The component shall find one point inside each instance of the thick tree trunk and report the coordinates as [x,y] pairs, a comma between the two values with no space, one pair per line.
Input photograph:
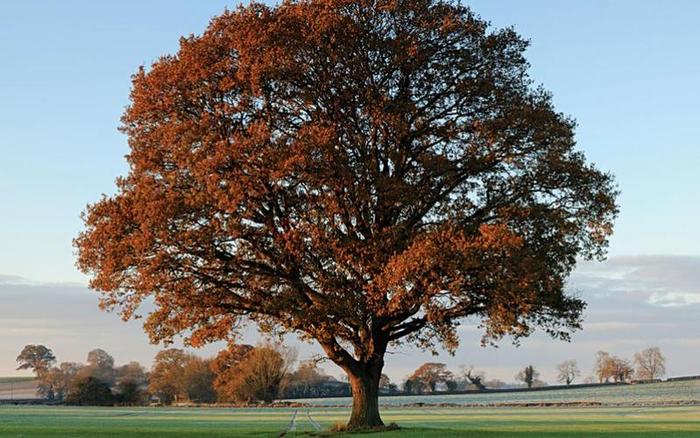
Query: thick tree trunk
[365,396]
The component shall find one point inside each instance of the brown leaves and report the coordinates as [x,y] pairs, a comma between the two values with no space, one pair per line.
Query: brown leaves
[357,172]
[245,373]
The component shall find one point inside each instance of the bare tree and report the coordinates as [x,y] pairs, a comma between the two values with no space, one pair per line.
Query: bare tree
[622,370]
[568,371]
[475,378]
[528,375]
[650,363]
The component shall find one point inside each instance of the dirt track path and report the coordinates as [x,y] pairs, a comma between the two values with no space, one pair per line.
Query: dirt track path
[292,424]
[313,422]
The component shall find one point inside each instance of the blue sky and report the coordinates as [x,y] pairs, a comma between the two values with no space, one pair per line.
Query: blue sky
[626,70]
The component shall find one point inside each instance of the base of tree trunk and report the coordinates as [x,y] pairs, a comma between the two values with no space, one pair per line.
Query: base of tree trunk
[365,402]
[346,428]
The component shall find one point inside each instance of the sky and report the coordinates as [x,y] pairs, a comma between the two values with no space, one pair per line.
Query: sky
[625,70]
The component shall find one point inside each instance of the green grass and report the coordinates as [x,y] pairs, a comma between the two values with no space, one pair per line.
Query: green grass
[43,421]
[652,394]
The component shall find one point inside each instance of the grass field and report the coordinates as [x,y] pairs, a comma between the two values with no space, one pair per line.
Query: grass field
[44,421]
[650,394]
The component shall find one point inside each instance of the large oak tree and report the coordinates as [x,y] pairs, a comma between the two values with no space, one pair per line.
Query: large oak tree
[363,173]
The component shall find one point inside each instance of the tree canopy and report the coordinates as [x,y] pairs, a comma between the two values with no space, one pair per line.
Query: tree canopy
[167,377]
[427,376]
[258,374]
[359,173]
[38,358]
[650,363]
[612,367]
[528,375]
[567,371]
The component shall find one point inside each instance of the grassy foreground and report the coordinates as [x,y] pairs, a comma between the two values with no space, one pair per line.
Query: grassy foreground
[42,421]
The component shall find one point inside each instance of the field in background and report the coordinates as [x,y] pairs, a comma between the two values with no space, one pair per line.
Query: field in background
[16,379]
[46,421]
[663,393]
[680,392]
[17,388]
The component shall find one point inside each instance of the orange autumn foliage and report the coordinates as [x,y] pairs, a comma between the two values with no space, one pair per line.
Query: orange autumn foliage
[361,173]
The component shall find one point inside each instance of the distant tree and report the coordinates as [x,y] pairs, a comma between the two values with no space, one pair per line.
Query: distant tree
[224,367]
[130,393]
[473,377]
[359,172]
[384,381]
[167,377]
[131,384]
[528,375]
[622,370]
[451,385]
[430,374]
[99,358]
[309,373]
[603,366]
[55,383]
[37,358]
[612,367]
[386,386]
[650,363]
[100,365]
[258,376]
[133,371]
[89,391]
[48,384]
[411,386]
[199,380]
[567,371]
[308,380]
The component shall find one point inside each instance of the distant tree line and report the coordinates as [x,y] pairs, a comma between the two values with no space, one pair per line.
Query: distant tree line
[96,382]
[240,374]
[245,374]
[648,365]
[432,377]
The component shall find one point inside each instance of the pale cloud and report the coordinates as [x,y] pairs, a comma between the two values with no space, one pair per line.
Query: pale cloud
[659,280]
[607,326]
